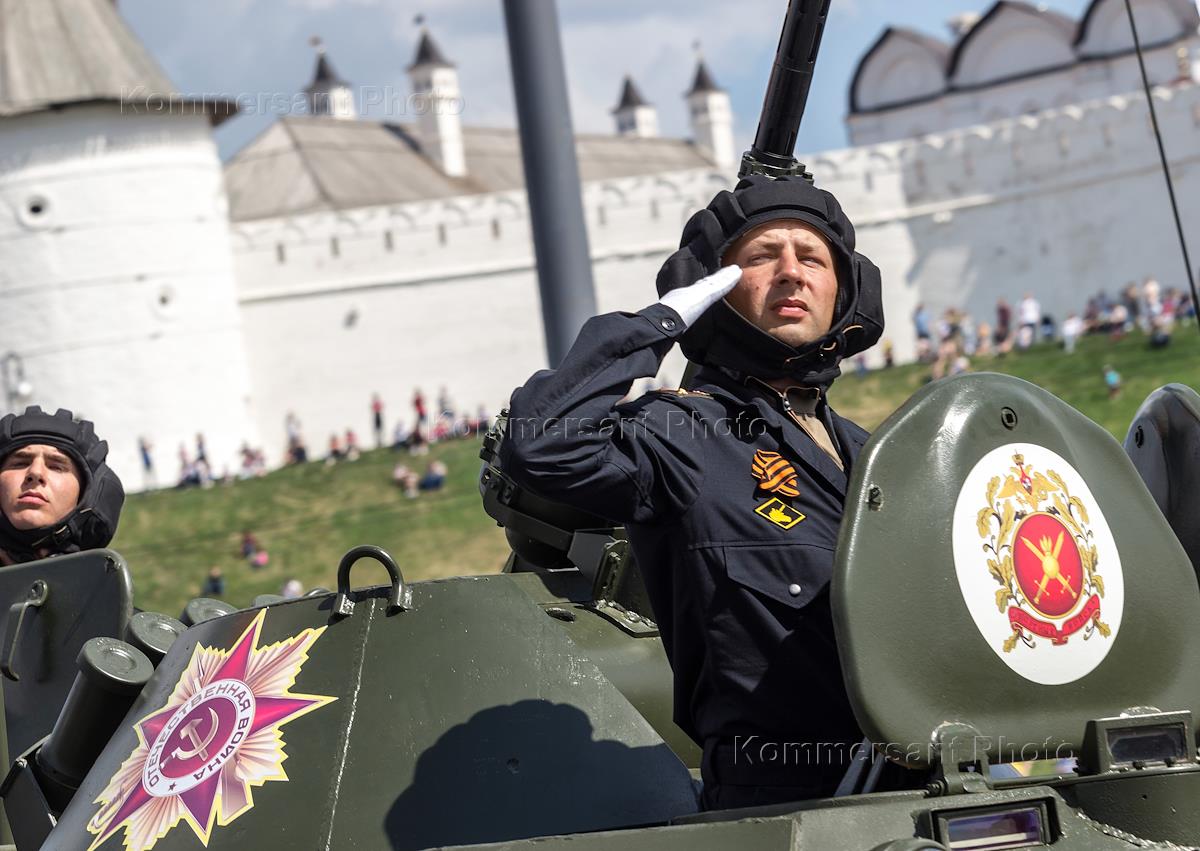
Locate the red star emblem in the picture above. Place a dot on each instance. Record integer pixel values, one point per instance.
(218, 735)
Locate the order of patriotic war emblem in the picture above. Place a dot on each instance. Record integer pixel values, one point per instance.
(1037, 564)
(218, 735)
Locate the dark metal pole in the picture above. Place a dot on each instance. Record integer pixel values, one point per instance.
(551, 173)
(787, 92)
(1166, 164)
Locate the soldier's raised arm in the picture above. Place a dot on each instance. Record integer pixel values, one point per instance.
(569, 437)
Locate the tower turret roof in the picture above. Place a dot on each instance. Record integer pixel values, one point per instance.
(630, 96)
(325, 75)
(703, 81)
(62, 52)
(428, 53)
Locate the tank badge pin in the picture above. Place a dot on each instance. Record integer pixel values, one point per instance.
(218, 735)
(1036, 531)
(774, 473)
(779, 513)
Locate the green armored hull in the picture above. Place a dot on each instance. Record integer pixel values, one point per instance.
(533, 707)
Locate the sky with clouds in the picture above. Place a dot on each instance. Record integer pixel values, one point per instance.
(260, 49)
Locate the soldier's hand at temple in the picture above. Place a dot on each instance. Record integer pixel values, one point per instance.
(691, 302)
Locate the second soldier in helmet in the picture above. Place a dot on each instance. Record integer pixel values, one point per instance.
(57, 494)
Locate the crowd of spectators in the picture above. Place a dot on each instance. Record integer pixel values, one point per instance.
(949, 343)
(196, 468)
(412, 437)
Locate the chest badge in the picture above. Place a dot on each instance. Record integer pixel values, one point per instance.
(774, 473)
(779, 513)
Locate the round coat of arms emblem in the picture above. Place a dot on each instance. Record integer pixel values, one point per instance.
(1037, 564)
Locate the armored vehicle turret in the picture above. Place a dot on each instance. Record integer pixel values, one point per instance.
(1011, 593)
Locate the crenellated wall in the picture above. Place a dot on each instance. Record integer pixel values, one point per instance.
(340, 305)
(1061, 203)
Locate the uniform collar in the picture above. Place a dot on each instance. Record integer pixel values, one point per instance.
(766, 404)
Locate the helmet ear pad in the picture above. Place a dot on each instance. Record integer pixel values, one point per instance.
(722, 337)
(97, 512)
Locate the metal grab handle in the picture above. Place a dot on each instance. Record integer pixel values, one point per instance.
(38, 592)
(400, 595)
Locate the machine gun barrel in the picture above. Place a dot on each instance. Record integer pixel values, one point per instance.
(787, 92)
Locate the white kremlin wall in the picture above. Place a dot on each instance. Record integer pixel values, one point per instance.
(429, 294)
(132, 298)
(1062, 204)
(117, 282)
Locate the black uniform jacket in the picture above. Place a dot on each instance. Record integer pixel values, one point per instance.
(738, 581)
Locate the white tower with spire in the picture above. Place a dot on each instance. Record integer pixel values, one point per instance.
(328, 94)
(711, 118)
(635, 117)
(116, 270)
(439, 101)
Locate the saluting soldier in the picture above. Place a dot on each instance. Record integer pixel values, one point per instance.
(731, 490)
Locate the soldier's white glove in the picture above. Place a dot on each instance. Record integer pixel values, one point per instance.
(691, 302)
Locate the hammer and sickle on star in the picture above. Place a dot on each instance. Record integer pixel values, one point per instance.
(1048, 555)
(199, 747)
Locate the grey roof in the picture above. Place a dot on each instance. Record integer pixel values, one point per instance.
(307, 164)
(631, 98)
(59, 52)
(1074, 33)
(703, 81)
(1065, 25)
(1185, 11)
(428, 53)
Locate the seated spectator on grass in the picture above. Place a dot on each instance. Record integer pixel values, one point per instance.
(214, 583)
(335, 451)
(57, 494)
(1112, 380)
(1072, 328)
(434, 478)
(405, 479)
(249, 544)
(400, 435)
(254, 463)
(417, 444)
(1160, 333)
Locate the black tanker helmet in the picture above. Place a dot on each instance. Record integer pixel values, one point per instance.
(723, 337)
(94, 521)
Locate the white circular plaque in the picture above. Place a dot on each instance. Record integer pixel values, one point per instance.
(1037, 564)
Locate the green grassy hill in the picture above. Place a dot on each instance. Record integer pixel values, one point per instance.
(1076, 379)
(307, 517)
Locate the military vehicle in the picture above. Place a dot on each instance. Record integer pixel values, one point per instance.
(1014, 607)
